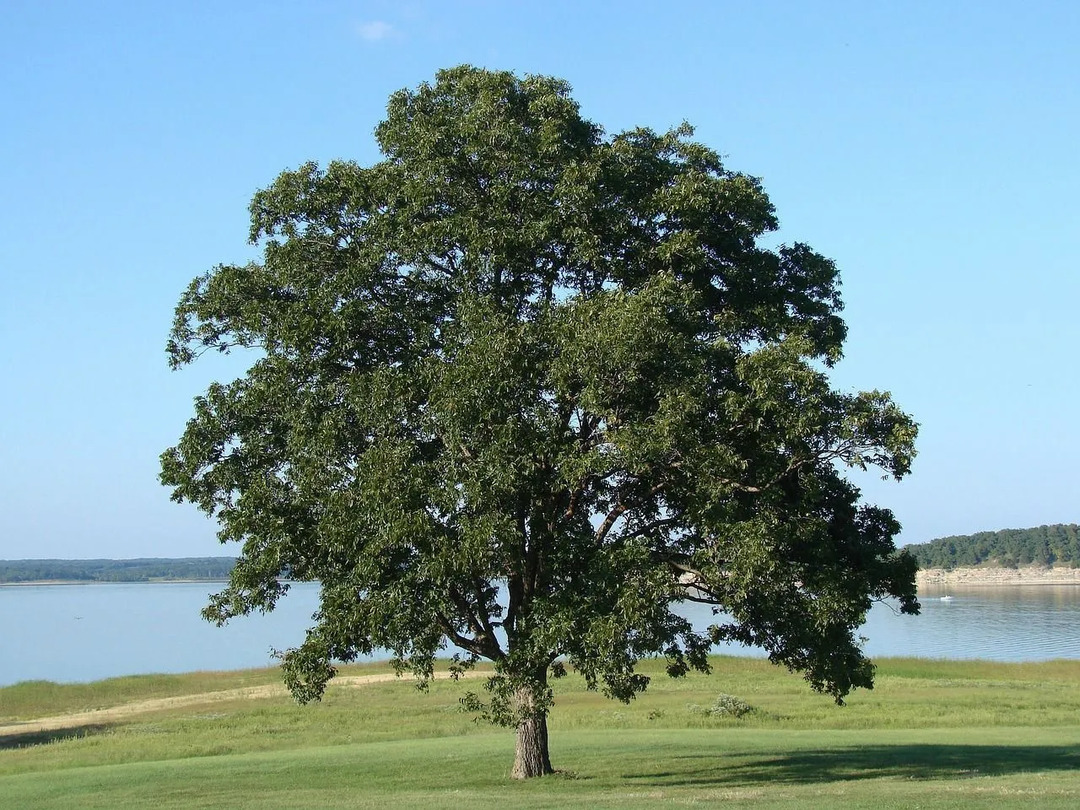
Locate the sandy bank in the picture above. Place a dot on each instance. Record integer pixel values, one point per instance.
(1030, 575)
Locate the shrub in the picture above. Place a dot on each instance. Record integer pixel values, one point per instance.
(724, 706)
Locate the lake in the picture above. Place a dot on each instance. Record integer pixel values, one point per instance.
(71, 633)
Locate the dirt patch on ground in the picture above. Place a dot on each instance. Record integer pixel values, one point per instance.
(99, 717)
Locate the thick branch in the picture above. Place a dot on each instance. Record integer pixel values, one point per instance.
(515, 584)
(532, 559)
(480, 632)
(609, 521)
(652, 526)
(620, 509)
(485, 618)
(490, 651)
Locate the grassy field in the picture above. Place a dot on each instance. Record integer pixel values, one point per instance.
(932, 734)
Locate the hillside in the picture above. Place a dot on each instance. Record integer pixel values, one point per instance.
(140, 570)
(1058, 544)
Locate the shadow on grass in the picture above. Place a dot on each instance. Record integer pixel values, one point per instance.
(866, 762)
(29, 738)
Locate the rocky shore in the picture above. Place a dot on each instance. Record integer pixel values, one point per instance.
(1028, 575)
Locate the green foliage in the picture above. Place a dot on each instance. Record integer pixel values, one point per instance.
(729, 706)
(725, 705)
(139, 570)
(522, 387)
(1058, 544)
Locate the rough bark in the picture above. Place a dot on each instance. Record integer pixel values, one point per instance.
(531, 755)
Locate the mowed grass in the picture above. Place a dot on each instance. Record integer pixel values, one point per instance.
(932, 734)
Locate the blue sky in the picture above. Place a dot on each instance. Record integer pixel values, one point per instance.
(928, 147)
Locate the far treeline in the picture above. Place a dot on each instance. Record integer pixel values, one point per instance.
(1044, 545)
(1058, 544)
(141, 570)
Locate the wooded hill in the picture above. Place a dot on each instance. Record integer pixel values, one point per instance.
(1044, 545)
(141, 570)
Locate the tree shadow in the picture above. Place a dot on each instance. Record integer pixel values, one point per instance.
(26, 739)
(865, 762)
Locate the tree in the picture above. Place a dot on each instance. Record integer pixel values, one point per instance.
(521, 388)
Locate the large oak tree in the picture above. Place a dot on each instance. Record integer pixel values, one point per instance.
(521, 389)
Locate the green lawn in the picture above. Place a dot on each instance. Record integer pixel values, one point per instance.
(932, 734)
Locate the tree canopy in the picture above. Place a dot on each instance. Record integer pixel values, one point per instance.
(521, 388)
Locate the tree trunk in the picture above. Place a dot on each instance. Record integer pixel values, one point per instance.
(531, 756)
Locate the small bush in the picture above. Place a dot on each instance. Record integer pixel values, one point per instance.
(724, 706)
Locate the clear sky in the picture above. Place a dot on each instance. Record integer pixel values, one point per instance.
(930, 148)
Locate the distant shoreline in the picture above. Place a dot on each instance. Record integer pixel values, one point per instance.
(137, 570)
(934, 577)
(38, 582)
(991, 577)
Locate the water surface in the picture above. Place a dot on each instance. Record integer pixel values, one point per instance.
(90, 631)
(84, 632)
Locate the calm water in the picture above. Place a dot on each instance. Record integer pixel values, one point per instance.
(85, 632)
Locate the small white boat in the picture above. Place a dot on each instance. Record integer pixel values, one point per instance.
(947, 598)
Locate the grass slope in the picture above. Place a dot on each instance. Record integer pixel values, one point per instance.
(932, 734)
